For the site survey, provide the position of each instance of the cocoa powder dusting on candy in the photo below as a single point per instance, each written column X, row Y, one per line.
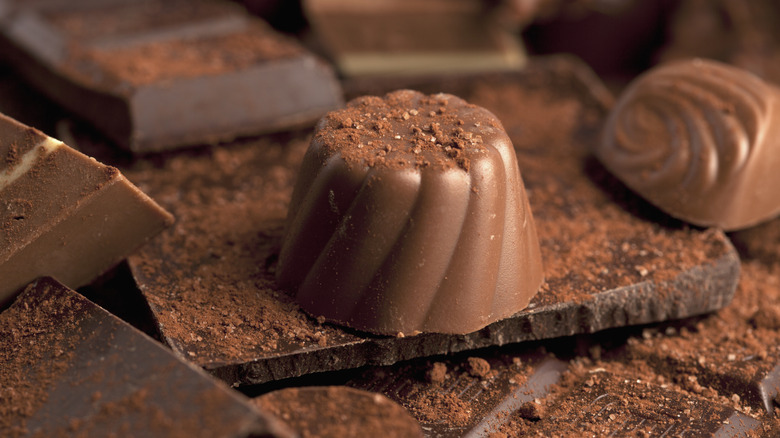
column 406, row 128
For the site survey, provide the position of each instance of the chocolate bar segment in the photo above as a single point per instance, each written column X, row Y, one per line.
column 71, row 368
column 339, row 411
column 63, row 214
column 410, row 215
column 155, row 75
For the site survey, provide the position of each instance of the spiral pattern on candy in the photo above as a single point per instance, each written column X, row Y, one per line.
column 687, row 127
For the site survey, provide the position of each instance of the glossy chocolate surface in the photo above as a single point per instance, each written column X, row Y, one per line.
column 156, row 75
column 63, row 214
column 699, row 140
column 410, row 216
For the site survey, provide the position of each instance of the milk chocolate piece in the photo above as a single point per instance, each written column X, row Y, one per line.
column 699, row 140
column 390, row 37
column 63, row 214
column 339, row 411
column 409, row 216
column 71, row 368
column 610, row 258
column 462, row 402
column 160, row 74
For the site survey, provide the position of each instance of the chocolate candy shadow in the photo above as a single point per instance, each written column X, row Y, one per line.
column 211, row 287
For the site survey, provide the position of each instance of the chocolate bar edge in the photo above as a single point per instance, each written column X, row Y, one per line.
column 716, row 283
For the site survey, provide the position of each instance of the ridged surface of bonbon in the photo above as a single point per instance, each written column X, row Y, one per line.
column 685, row 136
column 403, row 248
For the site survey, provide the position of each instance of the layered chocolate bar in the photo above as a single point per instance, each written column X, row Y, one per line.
column 63, row 214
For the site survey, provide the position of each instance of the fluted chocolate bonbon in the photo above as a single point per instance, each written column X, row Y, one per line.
column 699, row 140
column 410, row 215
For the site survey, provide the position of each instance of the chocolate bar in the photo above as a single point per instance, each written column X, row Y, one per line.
column 610, row 258
column 71, row 368
column 466, row 396
column 696, row 138
column 339, row 411
column 391, row 37
column 63, row 214
column 410, row 215
column 159, row 74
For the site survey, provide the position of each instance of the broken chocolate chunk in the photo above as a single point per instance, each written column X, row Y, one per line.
column 63, row 214
column 71, row 368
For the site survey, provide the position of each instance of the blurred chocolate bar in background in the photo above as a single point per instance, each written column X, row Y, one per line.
column 392, row 37
column 161, row 74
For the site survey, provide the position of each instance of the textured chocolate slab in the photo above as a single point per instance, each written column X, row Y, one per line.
column 71, row 368
column 339, row 411
column 610, row 259
column 607, row 404
column 155, row 75
column 469, row 397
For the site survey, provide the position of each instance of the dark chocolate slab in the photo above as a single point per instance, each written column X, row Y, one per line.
column 460, row 401
column 607, row 404
column 71, row 368
column 610, row 259
column 155, row 75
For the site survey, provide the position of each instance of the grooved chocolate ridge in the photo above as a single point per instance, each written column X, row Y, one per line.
column 693, row 138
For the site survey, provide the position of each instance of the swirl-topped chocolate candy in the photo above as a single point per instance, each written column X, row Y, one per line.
column 698, row 140
column 410, row 215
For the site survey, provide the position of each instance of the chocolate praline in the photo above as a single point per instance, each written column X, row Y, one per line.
column 698, row 139
column 410, row 215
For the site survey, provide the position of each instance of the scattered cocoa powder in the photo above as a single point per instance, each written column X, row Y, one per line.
column 437, row 374
column 478, row 367
column 339, row 411
column 36, row 329
column 405, row 128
